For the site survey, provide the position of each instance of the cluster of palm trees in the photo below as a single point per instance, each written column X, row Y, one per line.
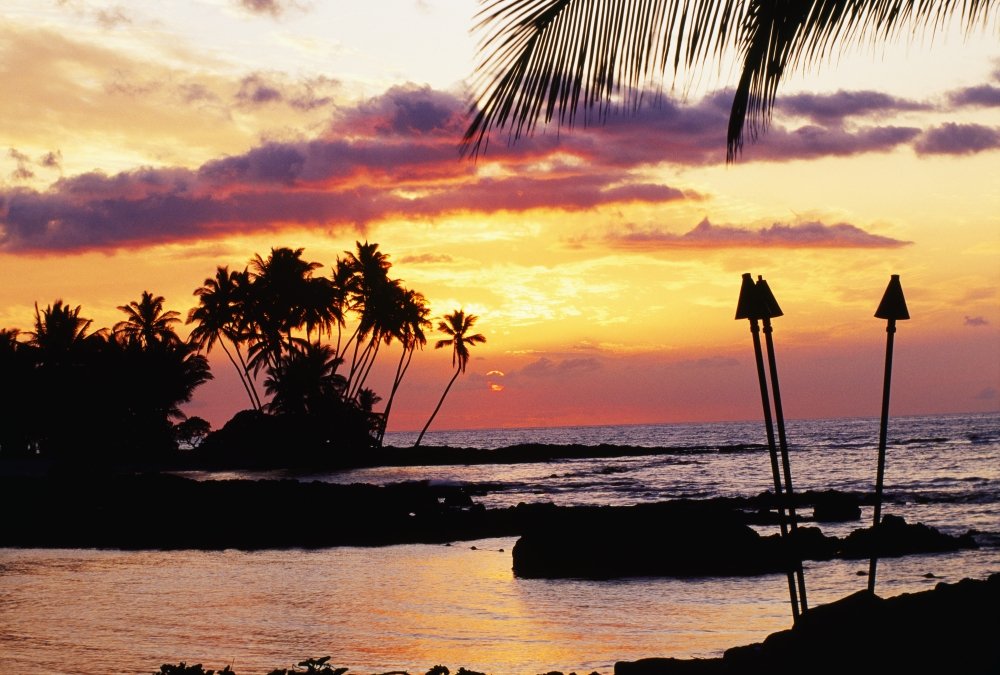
column 318, row 337
column 75, row 393
column 315, row 337
column 311, row 339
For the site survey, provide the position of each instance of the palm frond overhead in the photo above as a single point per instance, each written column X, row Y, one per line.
column 545, row 60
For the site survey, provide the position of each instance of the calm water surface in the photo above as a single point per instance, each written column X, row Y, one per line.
column 410, row 607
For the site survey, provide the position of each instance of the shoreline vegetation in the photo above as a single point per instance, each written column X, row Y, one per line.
column 303, row 346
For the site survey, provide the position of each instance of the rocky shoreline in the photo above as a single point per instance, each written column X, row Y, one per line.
column 669, row 538
column 950, row 629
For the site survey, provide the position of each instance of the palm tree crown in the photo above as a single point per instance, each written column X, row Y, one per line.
column 544, row 59
column 146, row 322
column 457, row 325
column 59, row 330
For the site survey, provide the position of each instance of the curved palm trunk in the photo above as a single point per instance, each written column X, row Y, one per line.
column 250, row 380
column 434, row 414
column 367, row 369
column 338, row 353
column 354, row 359
column 401, row 368
column 254, row 404
column 358, row 368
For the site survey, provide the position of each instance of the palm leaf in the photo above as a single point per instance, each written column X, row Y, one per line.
column 545, row 60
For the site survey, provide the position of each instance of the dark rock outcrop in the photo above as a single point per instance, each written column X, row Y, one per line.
column 683, row 539
column 895, row 537
column 672, row 539
column 162, row 511
column 951, row 629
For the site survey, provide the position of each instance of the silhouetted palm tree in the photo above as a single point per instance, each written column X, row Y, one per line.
column 545, row 59
column 275, row 305
column 305, row 382
column 382, row 322
column 146, row 322
column 59, row 332
column 457, row 325
column 319, row 307
column 412, row 311
column 369, row 274
column 17, row 366
column 8, row 339
column 219, row 315
column 68, row 381
column 341, row 284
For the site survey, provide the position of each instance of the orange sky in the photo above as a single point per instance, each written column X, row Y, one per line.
column 144, row 147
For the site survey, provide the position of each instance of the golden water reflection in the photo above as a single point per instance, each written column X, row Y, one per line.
column 379, row 609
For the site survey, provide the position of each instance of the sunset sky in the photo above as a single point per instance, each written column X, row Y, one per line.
column 145, row 143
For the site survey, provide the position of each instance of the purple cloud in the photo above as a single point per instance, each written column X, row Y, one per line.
column 255, row 90
column 987, row 96
column 833, row 108
column 976, row 321
column 546, row 367
column 328, row 183
column 958, row 139
column 396, row 155
column 811, row 142
column 272, row 7
column 707, row 235
column 51, row 159
column 406, row 110
column 695, row 135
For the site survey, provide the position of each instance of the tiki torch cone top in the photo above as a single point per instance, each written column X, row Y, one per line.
column 748, row 307
column 768, row 305
column 893, row 305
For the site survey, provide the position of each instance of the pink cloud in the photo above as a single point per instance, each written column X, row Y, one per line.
column 375, row 156
column 780, row 235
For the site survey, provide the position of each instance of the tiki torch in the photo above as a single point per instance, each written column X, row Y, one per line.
column 770, row 309
column 750, row 307
column 892, row 308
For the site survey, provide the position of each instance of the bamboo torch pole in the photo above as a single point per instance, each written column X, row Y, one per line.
column 892, row 308
column 749, row 307
column 771, row 309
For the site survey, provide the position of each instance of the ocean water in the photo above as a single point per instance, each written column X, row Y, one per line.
column 410, row 607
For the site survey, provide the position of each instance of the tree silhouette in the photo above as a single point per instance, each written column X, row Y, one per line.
column 17, row 364
column 192, row 431
column 341, row 284
column 65, row 384
column 91, row 397
column 368, row 293
column 545, row 59
column 306, row 381
column 275, row 305
column 147, row 323
column 457, row 325
column 60, row 332
column 219, row 315
column 412, row 311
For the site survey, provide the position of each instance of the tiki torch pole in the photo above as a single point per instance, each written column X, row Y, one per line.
column 749, row 307
column 892, row 308
column 771, row 309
